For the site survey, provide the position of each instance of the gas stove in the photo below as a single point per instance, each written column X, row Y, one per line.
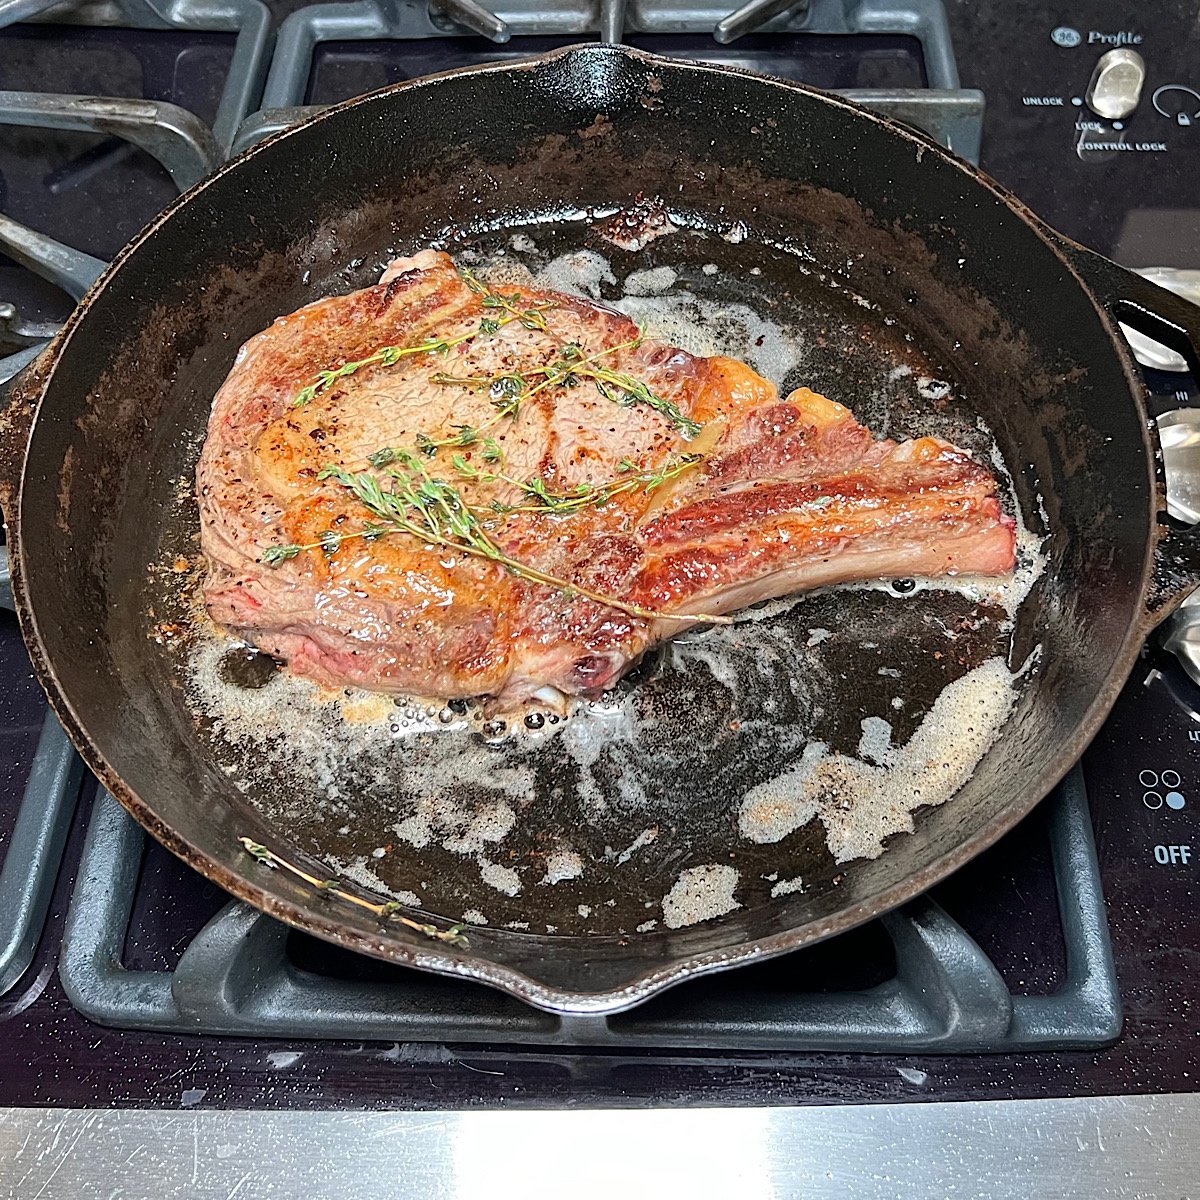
column 1058, row 965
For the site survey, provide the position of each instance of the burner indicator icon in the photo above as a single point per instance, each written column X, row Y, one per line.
column 1169, row 781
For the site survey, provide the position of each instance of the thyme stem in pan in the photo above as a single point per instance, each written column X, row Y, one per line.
column 531, row 318
column 573, row 365
column 388, row 910
column 509, row 391
column 512, row 388
column 434, row 511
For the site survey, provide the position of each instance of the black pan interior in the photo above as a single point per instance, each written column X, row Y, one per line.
column 832, row 203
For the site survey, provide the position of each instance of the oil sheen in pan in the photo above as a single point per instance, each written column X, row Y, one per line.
column 625, row 817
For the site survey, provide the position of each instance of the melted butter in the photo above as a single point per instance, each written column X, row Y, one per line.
column 861, row 801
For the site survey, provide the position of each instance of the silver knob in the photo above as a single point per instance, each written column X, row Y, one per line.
column 1179, row 435
column 1116, row 85
column 1181, row 635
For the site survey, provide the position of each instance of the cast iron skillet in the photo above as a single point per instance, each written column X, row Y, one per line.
column 959, row 282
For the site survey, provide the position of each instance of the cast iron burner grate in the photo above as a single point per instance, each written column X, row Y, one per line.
column 31, row 852
column 102, row 165
column 248, row 20
column 246, row 974
column 857, row 50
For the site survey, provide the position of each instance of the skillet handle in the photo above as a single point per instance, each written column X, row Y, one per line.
column 1175, row 322
column 1152, row 310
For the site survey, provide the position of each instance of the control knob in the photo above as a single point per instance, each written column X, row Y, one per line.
column 1179, row 435
column 1116, row 84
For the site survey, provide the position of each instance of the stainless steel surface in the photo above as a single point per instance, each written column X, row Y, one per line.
column 1147, row 351
column 1116, row 84
column 174, row 136
column 1179, row 432
column 1088, row 1148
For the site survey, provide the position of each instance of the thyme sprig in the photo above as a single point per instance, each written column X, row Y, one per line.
column 585, row 495
column 532, row 317
column 387, row 910
column 433, row 510
column 509, row 392
column 511, row 389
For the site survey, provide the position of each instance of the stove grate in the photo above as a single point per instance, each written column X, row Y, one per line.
column 238, row 977
column 34, row 849
column 952, row 114
column 250, row 20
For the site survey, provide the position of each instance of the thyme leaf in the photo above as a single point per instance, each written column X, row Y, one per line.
column 511, row 389
column 531, row 317
column 274, row 555
column 259, row 852
column 584, row 495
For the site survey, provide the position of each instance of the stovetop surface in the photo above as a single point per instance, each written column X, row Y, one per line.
column 91, row 190
column 1139, row 205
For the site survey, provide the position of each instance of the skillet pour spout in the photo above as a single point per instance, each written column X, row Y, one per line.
column 874, row 247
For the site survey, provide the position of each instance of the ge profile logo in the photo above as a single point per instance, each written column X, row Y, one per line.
column 1064, row 35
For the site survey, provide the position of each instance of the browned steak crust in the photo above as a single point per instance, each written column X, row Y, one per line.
column 784, row 495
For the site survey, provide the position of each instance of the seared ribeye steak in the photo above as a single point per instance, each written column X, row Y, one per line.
column 435, row 487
